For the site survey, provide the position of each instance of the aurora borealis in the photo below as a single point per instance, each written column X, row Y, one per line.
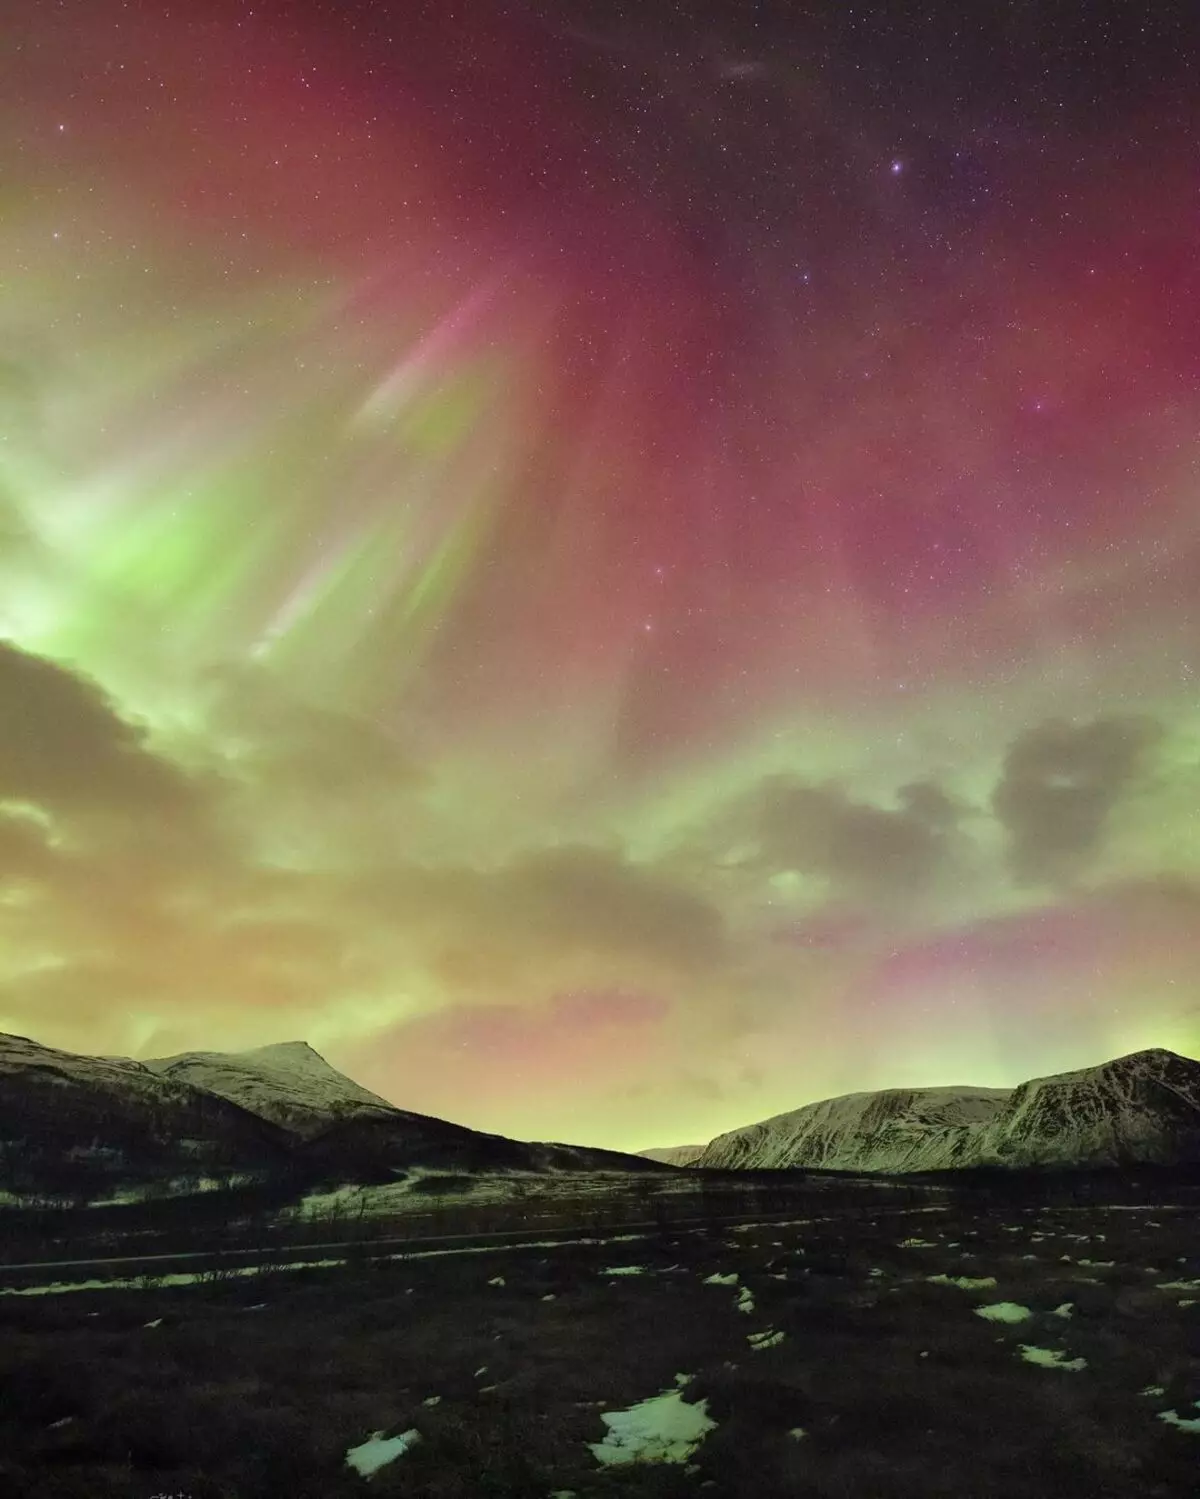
column 617, row 569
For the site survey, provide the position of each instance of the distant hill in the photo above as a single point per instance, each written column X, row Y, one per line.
column 80, row 1126
column 674, row 1155
column 1141, row 1108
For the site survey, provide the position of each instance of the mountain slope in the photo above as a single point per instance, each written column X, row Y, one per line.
column 1140, row 1108
column 288, row 1083
column 342, row 1123
column 76, row 1124
column 674, row 1155
column 898, row 1129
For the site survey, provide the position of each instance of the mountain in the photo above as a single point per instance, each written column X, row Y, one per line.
column 898, row 1129
column 674, row 1155
column 288, row 1083
column 76, row 1125
column 342, row 1124
column 1144, row 1107
column 80, row 1126
column 1141, row 1107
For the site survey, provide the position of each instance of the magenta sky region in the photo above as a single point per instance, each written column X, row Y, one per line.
column 615, row 571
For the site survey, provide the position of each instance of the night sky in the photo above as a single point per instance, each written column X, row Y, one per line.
column 618, row 569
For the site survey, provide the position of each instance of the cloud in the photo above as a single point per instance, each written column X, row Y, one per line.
column 66, row 748
column 599, row 899
column 1059, row 783
column 860, row 848
column 575, row 908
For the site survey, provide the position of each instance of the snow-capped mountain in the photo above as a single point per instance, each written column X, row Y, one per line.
column 293, row 1086
column 288, row 1083
column 73, row 1125
column 674, row 1155
column 70, row 1123
column 1139, row 1108
column 898, row 1129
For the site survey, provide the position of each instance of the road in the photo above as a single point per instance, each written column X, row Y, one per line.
column 380, row 1248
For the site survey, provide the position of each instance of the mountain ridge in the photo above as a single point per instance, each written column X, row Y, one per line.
column 1143, row 1107
column 73, row 1125
column 287, row 1082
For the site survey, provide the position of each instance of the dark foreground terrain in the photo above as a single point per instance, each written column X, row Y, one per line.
column 830, row 1355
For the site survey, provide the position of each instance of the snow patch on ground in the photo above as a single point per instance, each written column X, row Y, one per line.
column 226, row 1272
column 719, row 1280
column 157, row 1282
column 1051, row 1358
column 1003, row 1311
column 1182, row 1423
column 377, row 1451
column 663, row 1429
column 769, row 1339
column 963, row 1282
column 624, row 1270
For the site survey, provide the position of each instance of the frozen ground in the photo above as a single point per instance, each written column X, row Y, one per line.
column 1004, row 1355
column 534, row 1191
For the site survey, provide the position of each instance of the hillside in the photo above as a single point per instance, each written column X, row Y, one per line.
column 288, row 1083
column 674, row 1155
column 1139, row 1108
column 80, row 1126
column 897, row 1129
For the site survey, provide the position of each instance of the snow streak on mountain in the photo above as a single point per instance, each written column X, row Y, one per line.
column 1140, row 1108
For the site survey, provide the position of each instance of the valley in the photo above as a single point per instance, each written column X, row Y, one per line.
column 974, row 1345
column 243, row 1277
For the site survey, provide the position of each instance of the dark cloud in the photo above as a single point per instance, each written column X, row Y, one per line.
column 65, row 747
column 1059, row 783
column 24, row 844
column 574, row 902
column 860, row 847
column 601, row 899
